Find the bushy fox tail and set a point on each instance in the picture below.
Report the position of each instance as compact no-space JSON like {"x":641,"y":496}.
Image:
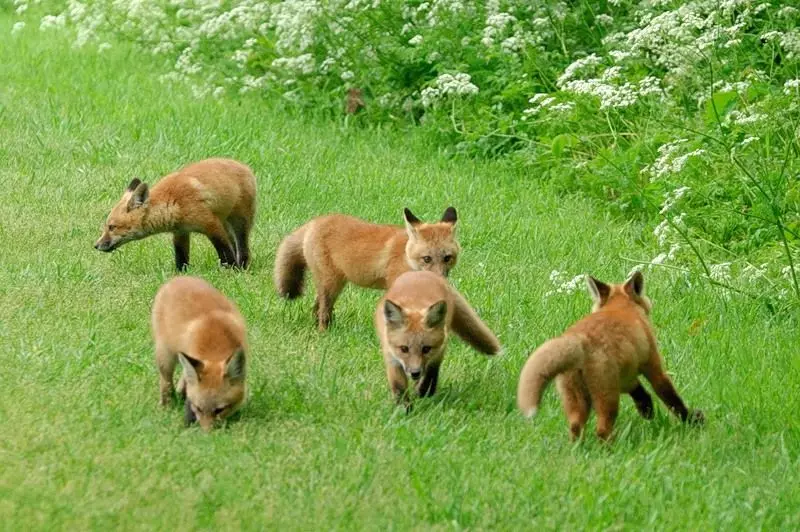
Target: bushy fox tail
{"x":290,"y":265}
{"x":553,"y":357}
{"x":471,"y":329}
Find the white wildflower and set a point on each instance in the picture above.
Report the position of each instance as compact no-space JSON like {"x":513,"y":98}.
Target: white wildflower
{"x":671,"y":198}
{"x":604,"y":20}
{"x":416,"y":40}
{"x":103,"y":46}
{"x":791,"y":86}
{"x":576,"y":66}
{"x":720,"y":272}
{"x":749,"y":140}
{"x":18,"y":27}
{"x":347,"y":75}
{"x":53,"y":21}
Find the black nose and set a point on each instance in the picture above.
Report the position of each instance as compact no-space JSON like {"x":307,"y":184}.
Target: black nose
{"x":97,"y":246}
{"x":416,"y":374}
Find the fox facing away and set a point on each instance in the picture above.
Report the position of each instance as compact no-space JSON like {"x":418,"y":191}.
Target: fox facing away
{"x":196,"y":325}
{"x":413,"y":321}
{"x":600,"y":357}
{"x":338,"y":248}
{"x":215,"y":197}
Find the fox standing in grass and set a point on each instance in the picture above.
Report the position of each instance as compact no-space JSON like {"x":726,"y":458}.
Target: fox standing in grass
{"x":413,"y":321}
{"x":599,"y":358}
{"x":215,"y":197}
{"x":338,"y":248}
{"x":196,"y":325}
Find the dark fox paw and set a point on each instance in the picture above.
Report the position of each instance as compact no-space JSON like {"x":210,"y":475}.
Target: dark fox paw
{"x":696,"y":417}
{"x":188,"y":413}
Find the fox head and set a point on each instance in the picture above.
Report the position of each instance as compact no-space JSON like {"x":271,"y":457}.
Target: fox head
{"x":631,"y":292}
{"x":125,"y":221}
{"x":432,"y":247}
{"x":415,"y":338}
{"x":214,"y":390}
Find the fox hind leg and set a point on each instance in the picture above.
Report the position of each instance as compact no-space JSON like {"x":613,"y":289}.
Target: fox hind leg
{"x":166,"y":367}
{"x":240,"y":232}
{"x":575,"y":400}
{"x":218,"y":235}
{"x":328,"y":289}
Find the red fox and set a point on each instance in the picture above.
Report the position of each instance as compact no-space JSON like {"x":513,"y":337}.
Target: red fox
{"x":413,"y":321}
{"x":339,"y":248}
{"x":196,"y":325}
{"x":600,"y":357}
{"x":215,"y":197}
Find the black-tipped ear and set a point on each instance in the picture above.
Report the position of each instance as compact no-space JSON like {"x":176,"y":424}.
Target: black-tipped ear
{"x":597,"y":289}
{"x":436,"y":314}
{"x":139,"y":196}
{"x":411,"y":223}
{"x":133,"y":184}
{"x":410,"y":218}
{"x":635,"y":284}
{"x":190,"y":366}
{"x":393,"y":314}
{"x":450,"y":215}
{"x":235,"y":366}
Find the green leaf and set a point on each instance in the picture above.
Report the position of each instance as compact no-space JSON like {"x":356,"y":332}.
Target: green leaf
{"x":723,"y":101}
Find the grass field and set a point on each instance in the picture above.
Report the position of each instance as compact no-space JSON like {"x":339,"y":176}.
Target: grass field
{"x":84,"y":445}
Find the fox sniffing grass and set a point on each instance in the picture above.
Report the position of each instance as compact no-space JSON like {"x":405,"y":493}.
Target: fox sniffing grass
{"x":601,"y":357}
{"x":215,"y":197}
{"x":194,"y":324}
{"x":413,"y":321}
{"x":338,"y":248}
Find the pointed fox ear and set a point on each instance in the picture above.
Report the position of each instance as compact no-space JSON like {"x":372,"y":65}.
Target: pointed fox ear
{"x":597,"y":289}
{"x":450,"y":216}
{"x":411,"y":222}
{"x":133,"y":184}
{"x":190,"y":366}
{"x":435,"y":315}
{"x":635,"y":285}
{"x":139,"y":196}
{"x":235,"y":366}
{"x":394,"y":314}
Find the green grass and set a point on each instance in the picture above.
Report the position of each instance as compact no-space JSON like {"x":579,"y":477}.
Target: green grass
{"x":83,"y":443}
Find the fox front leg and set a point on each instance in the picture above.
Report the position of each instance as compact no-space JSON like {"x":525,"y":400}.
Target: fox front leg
{"x":398,"y":383}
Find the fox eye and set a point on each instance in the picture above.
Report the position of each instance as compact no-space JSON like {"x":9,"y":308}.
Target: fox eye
{"x":447,"y":258}
{"x":427,"y":259}
{"x":218,"y":411}
{"x":404,"y":348}
{"x":111,"y":227}
{"x":426,"y":349}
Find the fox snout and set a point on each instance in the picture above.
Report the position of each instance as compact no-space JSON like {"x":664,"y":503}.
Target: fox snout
{"x":105,"y":244}
{"x":415,"y":373}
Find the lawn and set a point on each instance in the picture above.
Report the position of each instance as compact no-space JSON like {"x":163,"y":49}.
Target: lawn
{"x":319,"y":445}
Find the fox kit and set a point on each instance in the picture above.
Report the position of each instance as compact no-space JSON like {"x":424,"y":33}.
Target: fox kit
{"x":413,"y":321}
{"x":339,"y":248}
{"x":215,"y":197}
{"x":196,"y":325}
{"x":599,"y":358}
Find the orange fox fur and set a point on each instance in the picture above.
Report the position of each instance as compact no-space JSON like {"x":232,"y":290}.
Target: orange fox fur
{"x":338,"y":248}
{"x":600,"y":357}
{"x":196,"y":325}
{"x":215,"y":197}
{"x":413,"y":321}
